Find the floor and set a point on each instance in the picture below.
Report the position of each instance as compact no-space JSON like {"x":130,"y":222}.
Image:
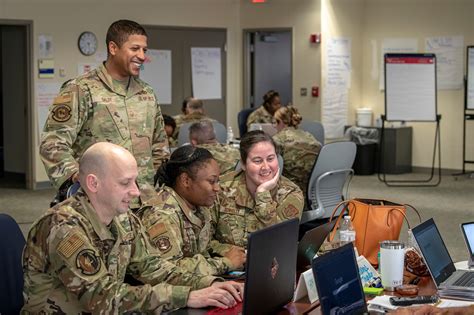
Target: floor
{"x":450,"y":204}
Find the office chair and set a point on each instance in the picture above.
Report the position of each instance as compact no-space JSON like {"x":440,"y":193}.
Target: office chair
{"x":219,"y":129}
{"x":331,"y":174}
{"x":315,"y":128}
{"x":12,"y":243}
{"x":242,"y":120}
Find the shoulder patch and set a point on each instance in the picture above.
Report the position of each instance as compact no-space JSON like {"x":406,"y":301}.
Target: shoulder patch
{"x":88,"y":262}
{"x":163,"y":244}
{"x":61,"y":99}
{"x":290,"y":211}
{"x":61,"y":112}
{"x":156,"y":230}
{"x":70,"y":245}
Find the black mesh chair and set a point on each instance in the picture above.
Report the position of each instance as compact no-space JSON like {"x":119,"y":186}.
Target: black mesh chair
{"x":12,"y":243}
{"x":242,"y":120}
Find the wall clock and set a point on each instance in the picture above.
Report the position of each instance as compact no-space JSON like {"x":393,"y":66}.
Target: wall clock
{"x":87,"y":43}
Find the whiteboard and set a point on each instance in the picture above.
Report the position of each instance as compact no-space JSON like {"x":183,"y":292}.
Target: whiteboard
{"x":410,"y":87}
{"x":470,"y":78}
{"x":157,"y":72}
{"x":206,"y":72}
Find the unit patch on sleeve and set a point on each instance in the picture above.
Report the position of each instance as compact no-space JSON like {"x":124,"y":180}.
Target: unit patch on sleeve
{"x":61,"y":113}
{"x":88,"y":262}
{"x":163,"y":244}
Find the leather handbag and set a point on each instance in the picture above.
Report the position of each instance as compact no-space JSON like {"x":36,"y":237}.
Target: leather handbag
{"x":374,"y":221}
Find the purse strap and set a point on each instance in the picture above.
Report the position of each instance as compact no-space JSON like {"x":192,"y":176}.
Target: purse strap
{"x":403,"y":214}
{"x":346,"y":203}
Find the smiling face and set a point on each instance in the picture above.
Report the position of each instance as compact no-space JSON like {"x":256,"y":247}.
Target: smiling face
{"x":261,"y":164}
{"x":201,"y":189}
{"x":126,"y":60}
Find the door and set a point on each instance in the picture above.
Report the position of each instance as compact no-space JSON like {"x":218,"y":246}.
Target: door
{"x":268,"y":65}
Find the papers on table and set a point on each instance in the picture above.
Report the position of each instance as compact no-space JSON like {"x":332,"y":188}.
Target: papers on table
{"x":382,"y":303}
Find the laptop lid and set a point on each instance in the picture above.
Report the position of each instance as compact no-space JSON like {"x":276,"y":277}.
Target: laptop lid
{"x":271,"y":268}
{"x":434,"y":251}
{"x":468,"y":233}
{"x":338,"y":282}
{"x":312,"y":241}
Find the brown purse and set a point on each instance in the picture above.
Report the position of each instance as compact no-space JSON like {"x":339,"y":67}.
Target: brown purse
{"x":374,"y":221}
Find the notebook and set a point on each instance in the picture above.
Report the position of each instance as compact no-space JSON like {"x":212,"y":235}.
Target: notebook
{"x":337,"y":279}
{"x":468,"y":233}
{"x":450,"y":283}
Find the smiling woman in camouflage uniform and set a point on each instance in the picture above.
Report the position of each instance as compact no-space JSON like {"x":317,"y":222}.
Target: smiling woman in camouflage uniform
{"x":176,"y":222}
{"x":257,"y":196}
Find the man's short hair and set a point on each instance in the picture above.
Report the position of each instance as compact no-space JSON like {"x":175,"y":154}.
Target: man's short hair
{"x":120,"y":30}
{"x":202,"y":131}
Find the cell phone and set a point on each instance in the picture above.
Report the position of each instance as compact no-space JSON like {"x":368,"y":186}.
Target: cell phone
{"x":234,"y":275}
{"x":407,"y":301}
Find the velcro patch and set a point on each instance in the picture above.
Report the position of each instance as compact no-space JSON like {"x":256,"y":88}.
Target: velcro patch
{"x":61,"y":113}
{"x":70,"y":245}
{"x":156,"y":230}
{"x":61,"y":99}
{"x":290,"y":211}
{"x":163,"y":244}
{"x":88,"y":262}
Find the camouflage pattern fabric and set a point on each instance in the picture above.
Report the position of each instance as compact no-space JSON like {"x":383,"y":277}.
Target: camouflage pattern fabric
{"x":73,"y":263}
{"x":239,"y":214}
{"x":226,"y":155}
{"x":178,"y":119}
{"x":181,"y":234}
{"x":94,"y":108}
{"x":190,"y":118}
{"x":259,"y":116}
{"x":299,"y":150}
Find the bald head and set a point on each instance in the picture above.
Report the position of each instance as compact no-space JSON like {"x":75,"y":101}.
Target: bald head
{"x":100,"y":157}
{"x":202,"y":132}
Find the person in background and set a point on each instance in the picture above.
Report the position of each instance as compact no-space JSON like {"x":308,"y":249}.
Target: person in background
{"x":170,"y":127}
{"x":195,"y":113}
{"x":299,"y":148}
{"x":110,"y":104}
{"x":256,"y":196}
{"x":78,"y":253}
{"x":179,"y":118}
{"x":264,"y":114}
{"x":202,"y":135}
{"x":176,"y":218}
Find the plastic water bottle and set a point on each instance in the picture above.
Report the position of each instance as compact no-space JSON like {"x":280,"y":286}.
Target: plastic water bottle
{"x":230,"y":135}
{"x":346,"y":231}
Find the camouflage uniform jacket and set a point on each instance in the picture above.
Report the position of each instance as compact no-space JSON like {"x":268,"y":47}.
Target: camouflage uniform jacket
{"x":259,"y":116}
{"x":93,"y":108}
{"x":190,"y":118}
{"x":239,"y":213}
{"x":178,"y":119}
{"x":181,"y":234}
{"x":299,"y":150}
{"x":226,"y":155}
{"x":73,"y":263}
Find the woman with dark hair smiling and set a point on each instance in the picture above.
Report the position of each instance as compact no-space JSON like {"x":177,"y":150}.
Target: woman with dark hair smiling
{"x":256,"y":196}
{"x":264,"y":114}
{"x":176,"y":219}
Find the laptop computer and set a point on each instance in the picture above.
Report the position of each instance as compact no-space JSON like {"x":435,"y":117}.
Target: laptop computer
{"x":449,"y":282}
{"x":311,"y":242}
{"x":270,"y":272}
{"x":468,"y":233}
{"x":337,"y":279}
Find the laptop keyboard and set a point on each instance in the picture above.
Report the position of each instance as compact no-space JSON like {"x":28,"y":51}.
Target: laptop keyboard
{"x":466,"y":280}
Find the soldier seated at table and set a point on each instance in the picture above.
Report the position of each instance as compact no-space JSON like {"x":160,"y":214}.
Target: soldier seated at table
{"x":194,"y":113}
{"x":78,"y":253}
{"x":202,"y":135}
{"x":170,"y":127}
{"x":176,"y":219}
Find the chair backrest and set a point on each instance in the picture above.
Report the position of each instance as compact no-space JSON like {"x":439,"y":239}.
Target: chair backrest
{"x":280,"y":164}
{"x":330,"y":174}
{"x":219,"y":129}
{"x":12,"y":243}
{"x":242,"y":120}
{"x":313,"y":127}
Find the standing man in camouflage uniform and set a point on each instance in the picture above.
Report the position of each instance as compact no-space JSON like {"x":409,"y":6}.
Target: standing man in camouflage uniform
{"x":78,"y":253}
{"x":176,"y":220}
{"x":257,"y":196}
{"x":298,"y":148}
{"x":109,"y":104}
{"x":202,"y":135}
{"x":264,"y":114}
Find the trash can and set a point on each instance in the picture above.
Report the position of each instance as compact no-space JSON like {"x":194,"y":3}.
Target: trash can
{"x":366,"y":140}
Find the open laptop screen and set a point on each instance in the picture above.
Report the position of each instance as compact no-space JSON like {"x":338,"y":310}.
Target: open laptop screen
{"x":337,"y":279}
{"x":434,"y":251}
{"x":468,"y":232}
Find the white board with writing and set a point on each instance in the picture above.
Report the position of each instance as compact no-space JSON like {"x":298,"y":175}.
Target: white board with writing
{"x":470,"y":78}
{"x":206,"y":72}
{"x":410,"y":87}
{"x":157,"y":72}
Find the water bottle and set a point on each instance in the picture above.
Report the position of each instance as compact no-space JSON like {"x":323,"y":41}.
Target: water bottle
{"x":230,"y":135}
{"x":346,"y":231}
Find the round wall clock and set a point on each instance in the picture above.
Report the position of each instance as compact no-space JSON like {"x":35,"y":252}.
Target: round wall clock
{"x":87,"y":43}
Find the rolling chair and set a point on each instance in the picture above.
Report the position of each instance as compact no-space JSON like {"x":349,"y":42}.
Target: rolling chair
{"x":12,"y":243}
{"x":219,"y":129}
{"x":330,"y":175}
{"x":315,"y":128}
{"x":242,"y":120}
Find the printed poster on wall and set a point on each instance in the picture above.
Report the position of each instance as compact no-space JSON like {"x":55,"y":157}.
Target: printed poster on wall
{"x":156,"y":71}
{"x":337,"y":83}
{"x":448,"y":51}
{"x":206,"y":72}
